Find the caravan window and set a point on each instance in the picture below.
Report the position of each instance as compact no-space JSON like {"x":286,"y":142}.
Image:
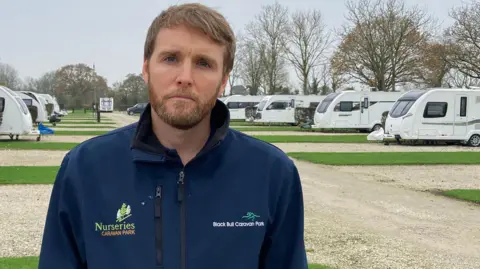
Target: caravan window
{"x":347,"y":106}
{"x":313,"y":104}
{"x":463,"y":106}
{"x":28,"y":102}
{"x":261,"y":105}
{"x":236,"y":105}
{"x":322,"y":108}
{"x":279,"y":105}
{"x":400,"y":108}
{"x":435,"y":110}
{"x":2,"y":104}
{"x":22,"y":105}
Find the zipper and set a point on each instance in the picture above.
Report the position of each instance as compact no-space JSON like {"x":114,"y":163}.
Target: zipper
{"x":183,"y":213}
{"x":158,"y":227}
{"x":181,"y":200}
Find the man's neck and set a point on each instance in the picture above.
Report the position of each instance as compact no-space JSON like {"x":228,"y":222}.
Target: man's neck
{"x":187,"y":143}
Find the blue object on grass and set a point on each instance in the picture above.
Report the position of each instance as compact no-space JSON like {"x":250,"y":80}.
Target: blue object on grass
{"x":44,"y":130}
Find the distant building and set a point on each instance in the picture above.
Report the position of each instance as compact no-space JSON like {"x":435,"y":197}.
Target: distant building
{"x":238,"y":90}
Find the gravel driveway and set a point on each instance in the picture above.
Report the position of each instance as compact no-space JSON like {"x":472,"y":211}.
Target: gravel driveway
{"x":356,"y":222}
{"x":46,"y":157}
{"x":352,"y":220}
{"x":372,"y":217}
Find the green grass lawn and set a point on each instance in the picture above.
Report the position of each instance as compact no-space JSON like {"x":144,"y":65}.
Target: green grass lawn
{"x":313,"y":138}
{"x":37,"y":145}
{"x":73,"y":132}
{"x":268,"y":138}
{"x":32,"y":263}
{"x":462,"y":194}
{"x":266,"y":128}
{"x":85,"y":122}
{"x":79,"y":127}
{"x":28,"y":175}
{"x":388,"y":158}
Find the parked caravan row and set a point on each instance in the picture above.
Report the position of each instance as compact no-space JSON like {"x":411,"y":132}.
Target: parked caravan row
{"x":38,"y":101}
{"x":360,"y":110}
{"x":449,"y":115}
{"x":53,"y":100}
{"x":237,"y":104}
{"x":15,"y":118}
{"x":281,"y":108}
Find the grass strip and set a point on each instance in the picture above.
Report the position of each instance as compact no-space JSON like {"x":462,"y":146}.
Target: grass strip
{"x":314,"y":138}
{"x":34,"y":145}
{"x":28,"y":175}
{"x":470,"y":195}
{"x":388,"y":158}
{"x":32,"y":263}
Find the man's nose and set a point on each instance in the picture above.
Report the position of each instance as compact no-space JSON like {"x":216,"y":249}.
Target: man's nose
{"x":184,"y":78}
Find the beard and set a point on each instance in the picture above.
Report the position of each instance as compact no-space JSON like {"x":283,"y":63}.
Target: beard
{"x":178,"y":113}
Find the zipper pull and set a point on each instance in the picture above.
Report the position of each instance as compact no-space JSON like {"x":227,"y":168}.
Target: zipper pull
{"x":159,"y":192}
{"x":180,"y":186}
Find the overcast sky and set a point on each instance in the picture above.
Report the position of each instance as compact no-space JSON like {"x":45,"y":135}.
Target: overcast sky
{"x":39,"y":36}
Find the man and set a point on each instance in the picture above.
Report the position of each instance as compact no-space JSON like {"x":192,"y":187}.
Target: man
{"x":178,"y":189}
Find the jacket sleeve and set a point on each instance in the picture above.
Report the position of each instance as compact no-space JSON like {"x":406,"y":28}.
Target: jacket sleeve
{"x":62,"y":237}
{"x":284,"y":246}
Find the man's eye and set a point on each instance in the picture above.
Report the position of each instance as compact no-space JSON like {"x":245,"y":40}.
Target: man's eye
{"x":170,"y":58}
{"x":204,"y":63}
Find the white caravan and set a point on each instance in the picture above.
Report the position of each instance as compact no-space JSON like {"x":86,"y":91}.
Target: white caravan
{"x":236,"y":104}
{"x":15,"y":119}
{"x":42,"y":108}
{"x":281,"y":108}
{"x":359,"y":110}
{"x":51,"y":100}
{"x":30,"y":101}
{"x":106,"y":104}
{"x":436,"y":114}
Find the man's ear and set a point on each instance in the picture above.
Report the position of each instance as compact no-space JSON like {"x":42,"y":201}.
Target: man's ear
{"x":223,"y":85}
{"x":145,"y":72}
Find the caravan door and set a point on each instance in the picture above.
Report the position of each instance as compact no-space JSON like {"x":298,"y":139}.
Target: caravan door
{"x":364,"y":115}
{"x":278,"y":111}
{"x":460,"y":115}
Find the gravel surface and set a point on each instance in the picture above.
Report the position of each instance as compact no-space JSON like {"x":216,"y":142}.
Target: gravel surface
{"x":355,"y":222}
{"x":352,"y":221}
{"x":35,"y":157}
{"x":372,"y":217}
{"x":419,"y":178}
{"x":23,"y":217}
{"x":31,"y":157}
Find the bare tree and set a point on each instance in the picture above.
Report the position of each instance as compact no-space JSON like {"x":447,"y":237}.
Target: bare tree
{"x":250,"y":65}
{"x":464,"y":39}
{"x":332,"y":73}
{"x":234,"y":76}
{"x":268,"y":34}
{"x":382,"y":41}
{"x":46,"y":83}
{"x":9,"y":77}
{"x":457,"y":79}
{"x":434,"y":64}
{"x":307,"y":41}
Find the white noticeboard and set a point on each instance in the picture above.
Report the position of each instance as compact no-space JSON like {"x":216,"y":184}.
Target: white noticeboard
{"x":106,"y":104}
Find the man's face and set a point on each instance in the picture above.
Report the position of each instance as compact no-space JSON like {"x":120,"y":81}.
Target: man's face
{"x":185,"y":76}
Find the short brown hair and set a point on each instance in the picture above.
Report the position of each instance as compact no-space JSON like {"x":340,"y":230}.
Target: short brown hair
{"x":199,"y":17}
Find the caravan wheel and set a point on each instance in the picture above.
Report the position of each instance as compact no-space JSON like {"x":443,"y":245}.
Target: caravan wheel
{"x":474,"y":140}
